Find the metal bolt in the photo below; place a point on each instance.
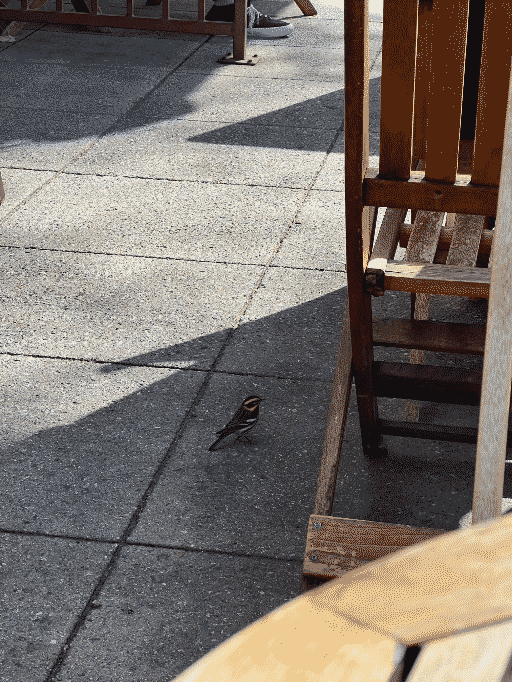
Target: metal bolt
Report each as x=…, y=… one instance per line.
x=313, y=557
x=317, y=525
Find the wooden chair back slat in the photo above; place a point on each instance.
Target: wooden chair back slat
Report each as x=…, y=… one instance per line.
x=449, y=22
x=492, y=92
x=422, y=80
x=397, y=88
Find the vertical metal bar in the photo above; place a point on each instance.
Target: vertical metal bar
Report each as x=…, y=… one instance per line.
x=200, y=10
x=165, y=9
x=129, y=8
x=240, y=29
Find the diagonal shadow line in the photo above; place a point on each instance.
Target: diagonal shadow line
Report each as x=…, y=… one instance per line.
x=299, y=126
x=73, y=107
x=110, y=446
x=249, y=133
x=118, y=437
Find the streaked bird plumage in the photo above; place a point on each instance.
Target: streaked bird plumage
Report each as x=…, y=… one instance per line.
x=245, y=418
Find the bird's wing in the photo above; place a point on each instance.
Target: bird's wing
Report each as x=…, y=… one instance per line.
x=235, y=419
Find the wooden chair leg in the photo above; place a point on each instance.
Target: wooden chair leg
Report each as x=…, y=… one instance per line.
x=361, y=327
x=497, y=370
x=306, y=8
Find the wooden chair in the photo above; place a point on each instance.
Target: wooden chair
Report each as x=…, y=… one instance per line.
x=452, y=595
x=424, y=166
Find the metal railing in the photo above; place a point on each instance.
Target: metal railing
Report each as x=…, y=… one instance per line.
x=94, y=17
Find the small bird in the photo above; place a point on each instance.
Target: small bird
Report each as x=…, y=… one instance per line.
x=245, y=418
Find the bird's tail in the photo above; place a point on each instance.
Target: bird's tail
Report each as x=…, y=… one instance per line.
x=212, y=447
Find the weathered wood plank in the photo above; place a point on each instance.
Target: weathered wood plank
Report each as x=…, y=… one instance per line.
x=450, y=23
x=441, y=337
x=457, y=581
x=446, y=236
x=497, y=370
x=474, y=656
x=424, y=237
x=467, y=235
x=422, y=80
x=416, y=193
x=422, y=248
x=337, y=545
x=444, y=280
x=397, y=88
x=451, y=434
x=492, y=93
x=433, y=383
x=386, y=243
x=359, y=218
x=335, y=422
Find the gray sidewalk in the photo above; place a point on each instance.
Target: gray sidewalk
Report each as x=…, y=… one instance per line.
x=172, y=240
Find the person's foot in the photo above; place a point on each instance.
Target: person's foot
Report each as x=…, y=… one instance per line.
x=258, y=25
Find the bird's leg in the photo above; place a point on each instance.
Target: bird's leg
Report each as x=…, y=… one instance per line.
x=248, y=440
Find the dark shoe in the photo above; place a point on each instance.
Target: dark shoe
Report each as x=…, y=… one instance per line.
x=258, y=25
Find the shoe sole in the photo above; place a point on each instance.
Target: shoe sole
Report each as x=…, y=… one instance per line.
x=271, y=32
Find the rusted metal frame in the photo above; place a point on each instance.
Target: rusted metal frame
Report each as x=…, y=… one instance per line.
x=400, y=25
x=359, y=218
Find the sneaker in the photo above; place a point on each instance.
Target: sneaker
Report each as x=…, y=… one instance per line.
x=258, y=25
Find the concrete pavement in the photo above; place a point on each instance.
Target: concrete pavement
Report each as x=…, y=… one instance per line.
x=172, y=240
